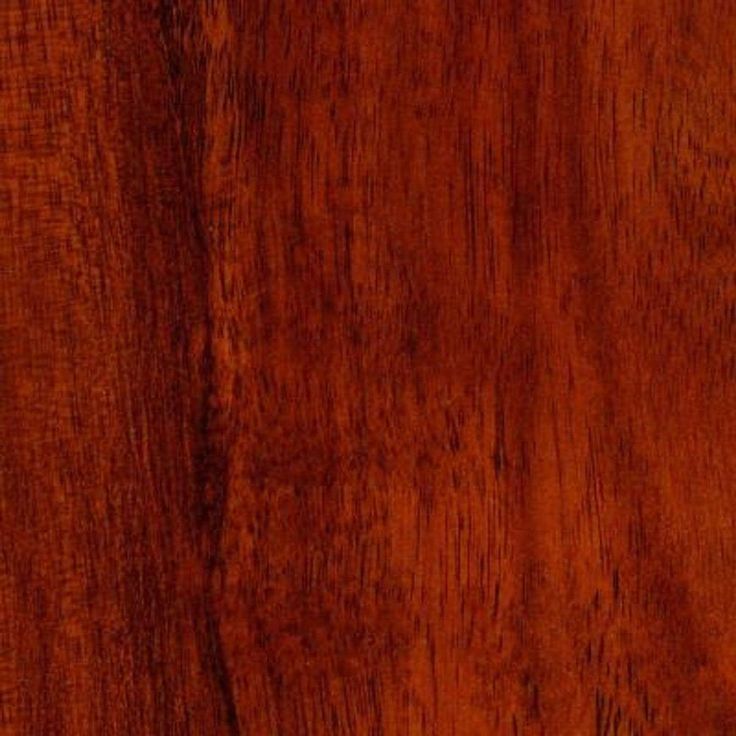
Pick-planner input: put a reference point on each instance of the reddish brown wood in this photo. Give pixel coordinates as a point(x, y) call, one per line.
point(367, 367)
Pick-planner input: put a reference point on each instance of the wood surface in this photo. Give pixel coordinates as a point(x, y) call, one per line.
point(367, 367)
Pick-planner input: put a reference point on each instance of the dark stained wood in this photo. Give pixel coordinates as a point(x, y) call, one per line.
point(367, 367)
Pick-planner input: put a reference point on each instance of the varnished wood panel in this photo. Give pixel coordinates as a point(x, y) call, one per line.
point(367, 367)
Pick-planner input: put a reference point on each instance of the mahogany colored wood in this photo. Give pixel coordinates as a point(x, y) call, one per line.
point(367, 367)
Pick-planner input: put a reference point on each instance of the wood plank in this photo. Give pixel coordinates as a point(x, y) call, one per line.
point(367, 367)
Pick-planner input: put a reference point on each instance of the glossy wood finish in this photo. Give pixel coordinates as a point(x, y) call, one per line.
point(367, 367)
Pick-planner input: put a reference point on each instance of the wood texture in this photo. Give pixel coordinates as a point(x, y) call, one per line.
point(367, 367)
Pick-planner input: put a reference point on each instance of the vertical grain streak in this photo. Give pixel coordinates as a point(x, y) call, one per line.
point(187, 77)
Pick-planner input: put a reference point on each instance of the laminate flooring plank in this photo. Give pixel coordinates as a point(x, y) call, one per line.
point(367, 367)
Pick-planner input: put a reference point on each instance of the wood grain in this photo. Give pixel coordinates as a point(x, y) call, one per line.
point(367, 367)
